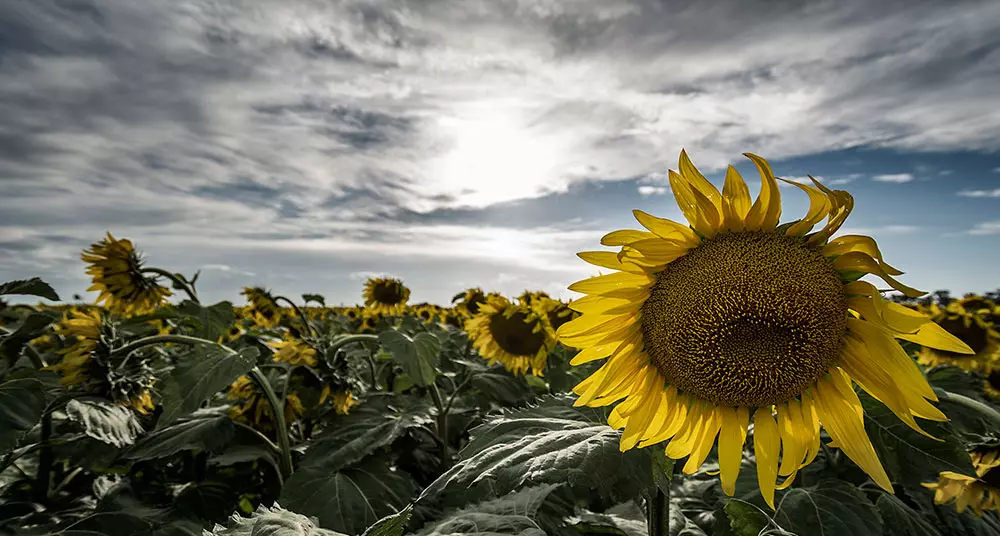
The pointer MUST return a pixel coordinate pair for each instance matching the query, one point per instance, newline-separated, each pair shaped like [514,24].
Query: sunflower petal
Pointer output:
[731,439]
[766,210]
[856,261]
[819,208]
[667,229]
[766,444]
[864,244]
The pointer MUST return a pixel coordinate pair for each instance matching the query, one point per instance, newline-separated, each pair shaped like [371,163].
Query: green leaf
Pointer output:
[501,386]
[829,507]
[372,426]
[105,421]
[314,298]
[32,326]
[955,380]
[29,287]
[512,513]
[203,431]
[907,456]
[391,525]
[274,521]
[550,443]
[209,322]
[746,519]
[349,500]
[901,520]
[417,356]
[22,402]
[680,525]
[108,524]
[200,374]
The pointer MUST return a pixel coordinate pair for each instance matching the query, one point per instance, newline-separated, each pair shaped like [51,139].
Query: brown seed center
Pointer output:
[514,335]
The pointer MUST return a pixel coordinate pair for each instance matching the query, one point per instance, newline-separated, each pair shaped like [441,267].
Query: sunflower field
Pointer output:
[732,374]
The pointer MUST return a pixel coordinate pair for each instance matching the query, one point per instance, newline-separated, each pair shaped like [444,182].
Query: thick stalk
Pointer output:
[986,411]
[302,315]
[187,288]
[255,374]
[658,512]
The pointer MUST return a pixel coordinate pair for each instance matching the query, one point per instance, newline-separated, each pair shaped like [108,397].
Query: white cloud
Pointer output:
[985,228]
[879,230]
[980,193]
[646,190]
[897,178]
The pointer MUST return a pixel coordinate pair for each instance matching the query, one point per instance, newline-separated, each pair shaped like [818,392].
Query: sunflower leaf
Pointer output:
[901,520]
[273,521]
[29,287]
[513,513]
[205,431]
[829,507]
[198,375]
[391,525]
[22,402]
[105,421]
[209,322]
[909,457]
[417,356]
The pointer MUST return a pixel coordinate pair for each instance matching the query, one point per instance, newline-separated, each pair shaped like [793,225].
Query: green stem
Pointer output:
[442,422]
[36,358]
[255,373]
[986,411]
[340,343]
[183,285]
[658,513]
[302,315]
[371,368]
[45,461]
[454,394]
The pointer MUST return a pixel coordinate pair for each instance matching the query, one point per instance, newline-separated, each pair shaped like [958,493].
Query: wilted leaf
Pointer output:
[829,507]
[105,421]
[511,514]
[198,375]
[274,521]
[22,402]
[29,287]
[204,431]
[349,500]
[908,457]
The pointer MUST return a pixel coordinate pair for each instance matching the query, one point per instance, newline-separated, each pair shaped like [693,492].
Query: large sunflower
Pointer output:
[974,329]
[517,336]
[981,493]
[734,318]
[386,295]
[115,268]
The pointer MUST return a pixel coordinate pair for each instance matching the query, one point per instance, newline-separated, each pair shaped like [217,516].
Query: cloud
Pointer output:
[646,190]
[897,178]
[985,228]
[879,230]
[980,193]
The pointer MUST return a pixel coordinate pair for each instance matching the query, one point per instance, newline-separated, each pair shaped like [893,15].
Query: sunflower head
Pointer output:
[981,493]
[88,362]
[453,317]
[386,295]
[427,313]
[973,304]
[532,297]
[972,328]
[115,269]
[468,302]
[343,401]
[515,335]
[370,321]
[253,407]
[294,351]
[263,310]
[556,312]
[733,317]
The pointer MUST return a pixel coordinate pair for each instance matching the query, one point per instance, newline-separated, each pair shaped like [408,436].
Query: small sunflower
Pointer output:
[89,363]
[256,409]
[981,494]
[517,336]
[263,310]
[386,295]
[973,304]
[426,312]
[974,330]
[369,321]
[470,300]
[556,312]
[452,317]
[736,317]
[115,268]
[294,352]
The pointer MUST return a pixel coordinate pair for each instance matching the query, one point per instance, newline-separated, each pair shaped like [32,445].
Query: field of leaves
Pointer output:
[391,423]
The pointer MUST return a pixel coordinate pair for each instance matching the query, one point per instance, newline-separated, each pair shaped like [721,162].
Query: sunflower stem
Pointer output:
[658,512]
[177,281]
[442,422]
[986,411]
[255,373]
[298,311]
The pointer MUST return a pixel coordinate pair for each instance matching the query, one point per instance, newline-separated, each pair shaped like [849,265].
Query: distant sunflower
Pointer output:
[386,295]
[263,310]
[89,363]
[556,312]
[468,302]
[734,318]
[974,330]
[981,493]
[294,352]
[369,322]
[255,408]
[426,312]
[115,269]
[452,317]
[515,335]
[533,297]
[973,304]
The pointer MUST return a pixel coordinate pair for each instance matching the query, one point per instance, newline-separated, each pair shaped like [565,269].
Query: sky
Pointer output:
[305,145]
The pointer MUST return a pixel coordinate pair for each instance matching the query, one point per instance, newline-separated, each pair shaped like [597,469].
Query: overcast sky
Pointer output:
[302,145]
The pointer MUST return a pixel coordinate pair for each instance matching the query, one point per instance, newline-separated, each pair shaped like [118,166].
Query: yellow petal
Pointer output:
[698,210]
[704,441]
[607,285]
[864,244]
[731,439]
[766,210]
[667,229]
[766,444]
[624,236]
[856,261]
[819,208]
[699,182]
[608,259]
[735,200]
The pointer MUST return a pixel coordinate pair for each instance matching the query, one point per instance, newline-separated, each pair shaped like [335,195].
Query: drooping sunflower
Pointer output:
[263,310]
[735,317]
[468,302]
[981,493]
[386,295]
[255,408]
[116,271]
[453,317]
[90,364]
[515,335]
[294,352]
[974,330]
